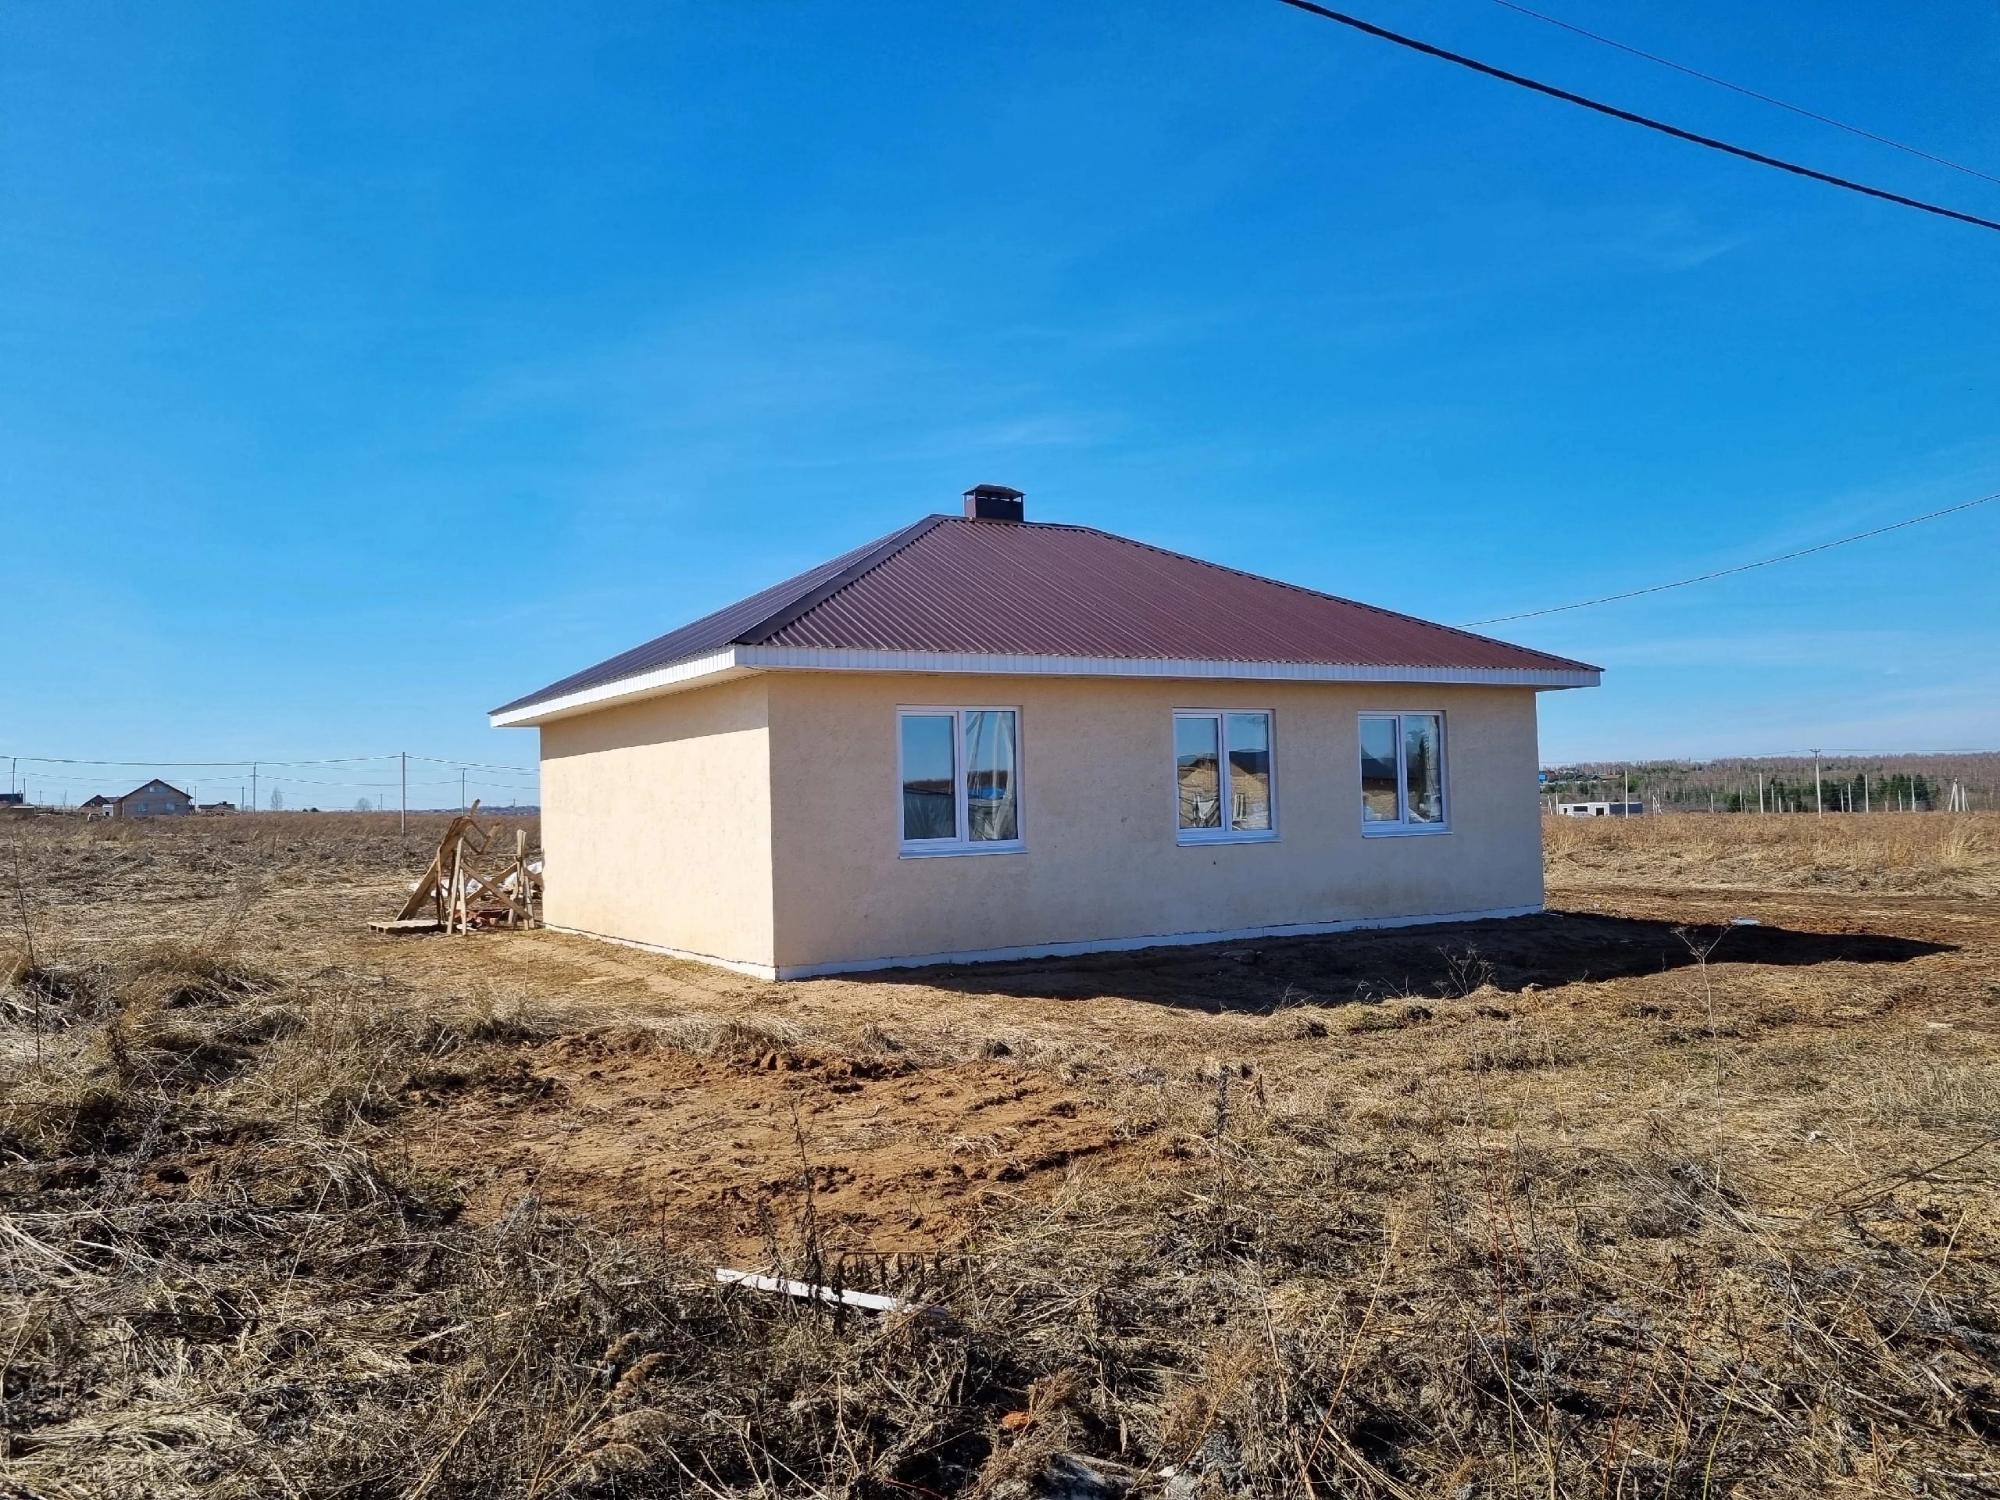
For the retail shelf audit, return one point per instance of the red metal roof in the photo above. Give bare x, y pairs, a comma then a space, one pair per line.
1026, 588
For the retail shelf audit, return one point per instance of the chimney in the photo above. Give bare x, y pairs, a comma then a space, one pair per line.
994, 502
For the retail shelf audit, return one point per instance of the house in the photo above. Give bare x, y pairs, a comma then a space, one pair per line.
217, 807
982, 737
155, 799
1630, 809
99, 806
13, 799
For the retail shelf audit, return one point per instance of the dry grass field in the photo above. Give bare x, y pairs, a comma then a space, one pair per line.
1620, 1201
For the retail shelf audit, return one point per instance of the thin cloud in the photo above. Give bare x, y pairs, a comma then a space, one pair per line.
1854, 650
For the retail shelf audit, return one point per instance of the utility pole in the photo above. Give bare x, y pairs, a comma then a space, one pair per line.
12, 770
1760, 793
1864, 791
1818, 805
403, 824
461, 788
253, 787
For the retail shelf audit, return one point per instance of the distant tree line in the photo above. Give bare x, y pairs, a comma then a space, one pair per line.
1908, 783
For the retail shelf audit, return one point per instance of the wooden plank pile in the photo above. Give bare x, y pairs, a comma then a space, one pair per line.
469, 883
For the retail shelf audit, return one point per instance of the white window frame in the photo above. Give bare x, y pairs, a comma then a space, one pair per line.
1224, 834
962, 843
1402, 827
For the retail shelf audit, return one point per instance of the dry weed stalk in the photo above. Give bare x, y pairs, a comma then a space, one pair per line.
1477, 1246
1948, 855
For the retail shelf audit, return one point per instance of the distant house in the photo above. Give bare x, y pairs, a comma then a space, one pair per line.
985, 738
156, 799
99, 806
218, 807
13, 799
1600, 809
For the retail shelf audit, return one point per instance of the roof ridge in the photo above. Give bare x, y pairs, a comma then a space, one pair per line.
154, 781
871, 559
934, 581
1300, 588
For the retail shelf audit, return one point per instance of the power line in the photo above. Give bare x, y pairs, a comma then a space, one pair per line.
340, 760
1681, 583
1370, 29
1748, 93
276, 773
507, 786
473, 765
60, 760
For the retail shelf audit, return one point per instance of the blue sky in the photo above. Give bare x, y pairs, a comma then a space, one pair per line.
364, 366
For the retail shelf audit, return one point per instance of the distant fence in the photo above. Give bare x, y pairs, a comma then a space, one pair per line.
391, 781
1835, 782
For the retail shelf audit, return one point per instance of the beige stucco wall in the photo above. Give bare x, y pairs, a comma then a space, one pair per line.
656, 823
1102, 862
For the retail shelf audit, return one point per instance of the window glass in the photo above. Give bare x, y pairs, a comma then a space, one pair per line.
1197, 769
1423, 768
1379, 802
1250, 771
929, 775
961, 780
990, 810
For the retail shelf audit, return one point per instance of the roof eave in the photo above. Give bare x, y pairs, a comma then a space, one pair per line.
1551, 674
739, 661
704, 670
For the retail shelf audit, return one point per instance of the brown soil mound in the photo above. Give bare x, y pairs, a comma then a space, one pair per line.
692, 1148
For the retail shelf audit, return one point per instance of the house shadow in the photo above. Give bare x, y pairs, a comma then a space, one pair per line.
1513, 955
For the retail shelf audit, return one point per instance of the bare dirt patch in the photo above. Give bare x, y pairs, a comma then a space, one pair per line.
717, 1151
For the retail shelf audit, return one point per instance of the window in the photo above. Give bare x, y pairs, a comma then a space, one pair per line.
1222, 776
960, 775
1402, 773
